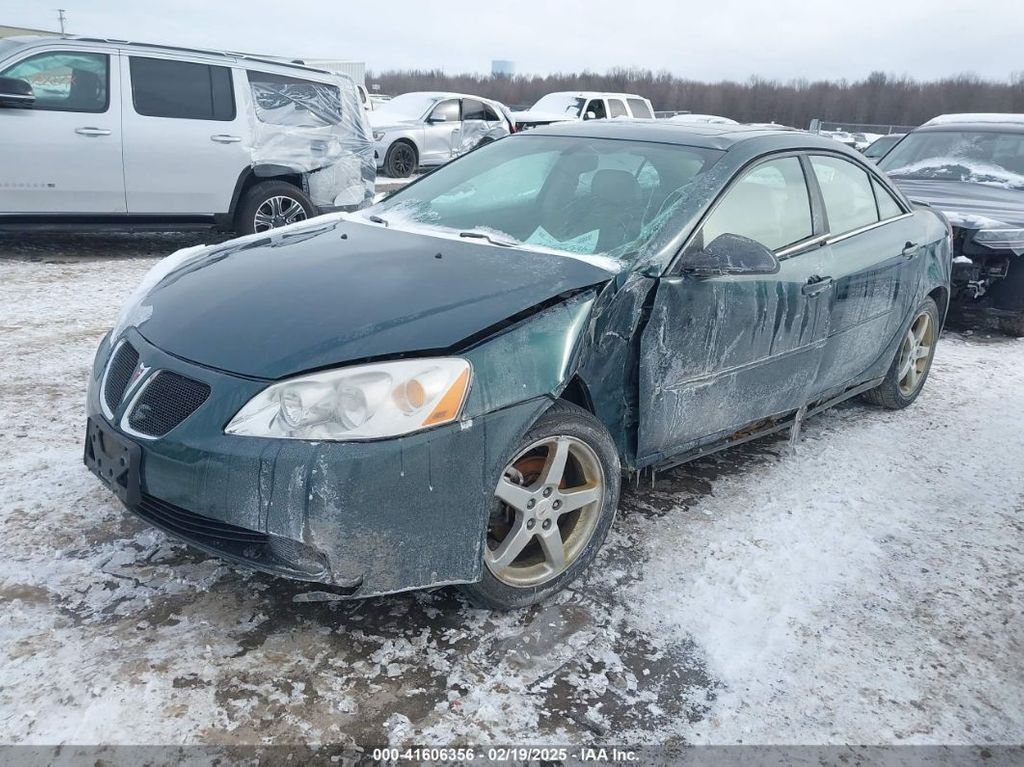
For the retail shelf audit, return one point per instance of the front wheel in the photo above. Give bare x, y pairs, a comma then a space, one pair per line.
271, 204
401, 160
909, 370
552, 508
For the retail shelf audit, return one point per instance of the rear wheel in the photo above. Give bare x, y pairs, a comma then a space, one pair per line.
271, 204
552, 509
401, 160
909, 370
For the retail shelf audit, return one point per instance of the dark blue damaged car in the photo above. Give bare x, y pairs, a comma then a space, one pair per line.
448, 387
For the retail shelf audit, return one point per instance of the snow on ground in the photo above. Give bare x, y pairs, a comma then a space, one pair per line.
861, 586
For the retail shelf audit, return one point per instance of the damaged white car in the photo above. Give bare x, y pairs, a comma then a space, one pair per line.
426, 129
123, 135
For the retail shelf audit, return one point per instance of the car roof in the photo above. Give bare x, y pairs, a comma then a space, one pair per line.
976, 123
451, 95
595, 94
72, 41
707, 135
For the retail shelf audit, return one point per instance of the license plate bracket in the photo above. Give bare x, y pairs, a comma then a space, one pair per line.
115, 460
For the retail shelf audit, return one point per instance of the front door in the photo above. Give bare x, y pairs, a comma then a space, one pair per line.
64, 154
721, 353
441, 133
184, 138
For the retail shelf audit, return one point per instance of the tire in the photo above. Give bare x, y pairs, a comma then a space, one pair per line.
401, 160
293, 205
592, 465
898, 391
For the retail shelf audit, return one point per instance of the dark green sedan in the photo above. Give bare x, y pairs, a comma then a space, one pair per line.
449, 387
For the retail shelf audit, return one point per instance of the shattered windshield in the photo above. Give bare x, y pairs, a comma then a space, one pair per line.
599, 197
977, 157
560, 103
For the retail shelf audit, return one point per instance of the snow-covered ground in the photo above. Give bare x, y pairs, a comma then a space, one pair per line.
865, 585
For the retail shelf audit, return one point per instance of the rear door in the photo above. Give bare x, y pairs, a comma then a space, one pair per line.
184, 136
721, 353
617, 108
64, 154
872, 249
474, 125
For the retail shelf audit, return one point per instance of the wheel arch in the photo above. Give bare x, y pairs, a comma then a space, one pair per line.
252, 175
940, 295
577, 392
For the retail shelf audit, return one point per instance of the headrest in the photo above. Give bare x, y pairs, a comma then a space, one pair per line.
615, 186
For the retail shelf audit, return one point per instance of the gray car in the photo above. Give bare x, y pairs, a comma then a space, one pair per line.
428, 129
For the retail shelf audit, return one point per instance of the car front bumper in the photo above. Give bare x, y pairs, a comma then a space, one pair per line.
366, 517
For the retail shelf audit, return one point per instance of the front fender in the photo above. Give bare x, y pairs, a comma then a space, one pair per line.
535, 357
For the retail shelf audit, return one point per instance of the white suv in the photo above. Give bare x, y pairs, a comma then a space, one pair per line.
107, 133
583, 105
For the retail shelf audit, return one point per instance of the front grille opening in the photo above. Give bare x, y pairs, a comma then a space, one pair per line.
167, 400
194, 526
119, 373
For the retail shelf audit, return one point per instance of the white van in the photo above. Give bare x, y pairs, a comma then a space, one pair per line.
123, 135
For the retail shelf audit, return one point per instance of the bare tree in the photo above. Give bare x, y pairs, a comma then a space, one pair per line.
879, 98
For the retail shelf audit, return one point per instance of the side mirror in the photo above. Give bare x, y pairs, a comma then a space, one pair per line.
437, 119
590, 116
732, 254
15, 93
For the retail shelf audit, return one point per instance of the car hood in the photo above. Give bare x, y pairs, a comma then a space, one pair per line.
973, 206
387, 122
273, 306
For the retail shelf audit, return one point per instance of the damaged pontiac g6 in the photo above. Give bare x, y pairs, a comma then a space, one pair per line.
448, 387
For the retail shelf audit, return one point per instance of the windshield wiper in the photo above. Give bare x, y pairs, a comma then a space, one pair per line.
493, 240
378, 220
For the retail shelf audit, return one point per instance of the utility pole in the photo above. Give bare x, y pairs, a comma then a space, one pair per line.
61, 18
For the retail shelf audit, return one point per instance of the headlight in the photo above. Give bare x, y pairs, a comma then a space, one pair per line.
378, 135
361, 402
1000, 239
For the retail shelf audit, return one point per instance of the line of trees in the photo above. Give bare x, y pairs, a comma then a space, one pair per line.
878, 99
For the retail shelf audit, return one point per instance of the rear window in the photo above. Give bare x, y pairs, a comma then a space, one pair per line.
181, 90
616, 108
292, 101
639, 108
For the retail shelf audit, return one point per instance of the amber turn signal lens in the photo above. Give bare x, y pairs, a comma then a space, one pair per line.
451, 403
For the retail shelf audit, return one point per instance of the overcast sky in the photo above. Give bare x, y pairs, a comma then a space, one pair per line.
709, 39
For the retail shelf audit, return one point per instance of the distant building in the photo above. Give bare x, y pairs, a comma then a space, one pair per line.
19, 31
502, 68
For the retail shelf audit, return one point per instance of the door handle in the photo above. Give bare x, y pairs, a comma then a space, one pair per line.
816, 285
224, 138
92, 131
910, 250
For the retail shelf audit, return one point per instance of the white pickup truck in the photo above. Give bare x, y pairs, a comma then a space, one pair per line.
566, 106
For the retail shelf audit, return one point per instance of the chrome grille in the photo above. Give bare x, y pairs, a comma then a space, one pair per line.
119, 373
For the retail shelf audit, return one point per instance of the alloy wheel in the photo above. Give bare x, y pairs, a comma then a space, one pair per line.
402, 160
549, 502
915, 354
278, 211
